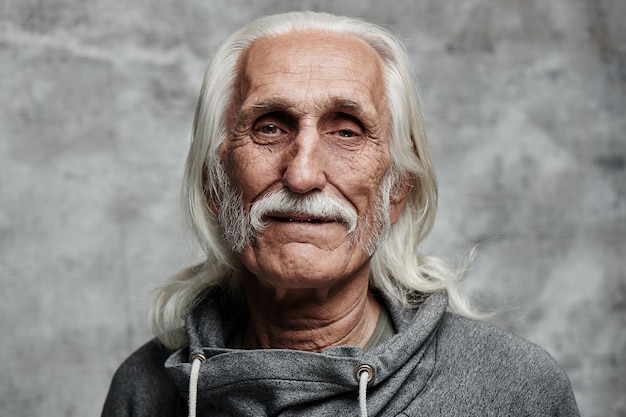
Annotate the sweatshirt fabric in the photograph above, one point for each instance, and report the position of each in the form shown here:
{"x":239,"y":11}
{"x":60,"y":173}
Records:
{"x":437,"y":364}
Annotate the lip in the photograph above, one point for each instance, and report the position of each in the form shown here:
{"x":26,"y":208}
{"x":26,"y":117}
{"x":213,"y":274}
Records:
{"x":299,"y":218}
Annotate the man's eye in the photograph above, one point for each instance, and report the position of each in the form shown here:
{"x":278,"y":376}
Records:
{"x":344,"y":133}
{"x":269,"y":129}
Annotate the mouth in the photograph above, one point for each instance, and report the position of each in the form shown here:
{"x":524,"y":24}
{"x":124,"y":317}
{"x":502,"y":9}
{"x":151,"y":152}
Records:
{"x":299,"y":219}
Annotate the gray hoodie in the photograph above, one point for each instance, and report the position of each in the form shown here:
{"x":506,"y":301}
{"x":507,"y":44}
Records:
{"x":437,"y":364}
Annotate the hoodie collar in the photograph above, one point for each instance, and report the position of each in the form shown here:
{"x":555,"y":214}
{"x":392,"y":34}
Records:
{"x":261,"y":382}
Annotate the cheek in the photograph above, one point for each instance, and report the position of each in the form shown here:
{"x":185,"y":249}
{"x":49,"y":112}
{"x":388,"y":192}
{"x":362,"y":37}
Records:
{"x":252,"y":172}
{"x":363,"y":179}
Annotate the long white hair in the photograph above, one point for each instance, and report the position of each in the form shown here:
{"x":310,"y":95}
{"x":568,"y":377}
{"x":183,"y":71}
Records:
{"x":398,"y":270}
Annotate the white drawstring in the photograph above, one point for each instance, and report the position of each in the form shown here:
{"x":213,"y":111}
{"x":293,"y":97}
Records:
{"x":364,"y":374}
{"x":197,"y":359}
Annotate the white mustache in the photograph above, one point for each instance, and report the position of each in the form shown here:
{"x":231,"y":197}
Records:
{"x":316,"y":205}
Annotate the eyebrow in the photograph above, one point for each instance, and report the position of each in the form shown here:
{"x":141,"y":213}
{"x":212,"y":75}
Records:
{"x":250,"y":113}
{"x":283,"y":104}
{"x":345,"y":103}
{"x":273,"y":104}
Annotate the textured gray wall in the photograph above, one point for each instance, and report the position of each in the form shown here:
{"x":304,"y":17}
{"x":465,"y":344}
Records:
{"x":525,"y":101}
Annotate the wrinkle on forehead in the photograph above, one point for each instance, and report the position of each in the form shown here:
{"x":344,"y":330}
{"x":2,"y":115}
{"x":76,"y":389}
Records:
{"x":355,"y":52}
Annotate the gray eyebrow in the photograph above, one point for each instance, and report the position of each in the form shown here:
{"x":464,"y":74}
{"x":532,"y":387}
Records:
{"x":278,"y":104}
{"x":273,"y":104}
{"x":248,"y":114}
{"x":345,"y":103}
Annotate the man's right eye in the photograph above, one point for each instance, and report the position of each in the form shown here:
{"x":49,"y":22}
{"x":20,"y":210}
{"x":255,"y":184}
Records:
{"x":268,"y":129}
{"x":272,"y":128}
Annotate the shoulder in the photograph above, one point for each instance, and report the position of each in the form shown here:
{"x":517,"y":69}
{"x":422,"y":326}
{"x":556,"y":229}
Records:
{"x":484,"y":342}
{"x":498,"y":364}
{"x":141,"y":387}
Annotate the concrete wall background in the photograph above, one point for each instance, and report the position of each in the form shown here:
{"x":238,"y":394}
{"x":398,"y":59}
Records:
{"x":526,"y":105}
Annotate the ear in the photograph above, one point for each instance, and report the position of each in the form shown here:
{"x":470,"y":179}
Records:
{"x":401,"y":193}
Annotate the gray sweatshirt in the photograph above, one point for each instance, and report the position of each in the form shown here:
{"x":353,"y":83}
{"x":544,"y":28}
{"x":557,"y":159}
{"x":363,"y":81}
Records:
{"x":437,"y":364}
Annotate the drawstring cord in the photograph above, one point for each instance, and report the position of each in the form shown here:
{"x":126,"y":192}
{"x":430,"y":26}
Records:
{"x":196,"y":360}
{"x":364,"y":374}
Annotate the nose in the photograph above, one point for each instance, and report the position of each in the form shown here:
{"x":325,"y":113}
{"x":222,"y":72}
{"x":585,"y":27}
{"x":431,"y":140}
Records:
{"x":304,"y":171}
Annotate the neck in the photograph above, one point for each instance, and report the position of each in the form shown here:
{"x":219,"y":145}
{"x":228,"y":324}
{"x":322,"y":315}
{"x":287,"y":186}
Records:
{"x":309,"y":319}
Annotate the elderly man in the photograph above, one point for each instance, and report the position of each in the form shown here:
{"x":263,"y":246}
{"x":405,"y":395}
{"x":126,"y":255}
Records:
{"x":309,"y":185}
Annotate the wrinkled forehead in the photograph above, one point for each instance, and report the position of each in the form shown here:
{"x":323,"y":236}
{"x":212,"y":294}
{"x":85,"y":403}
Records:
{"x":311,"y":54}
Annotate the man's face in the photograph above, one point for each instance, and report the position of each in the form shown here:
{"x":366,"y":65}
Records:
{"x":311,"y":120}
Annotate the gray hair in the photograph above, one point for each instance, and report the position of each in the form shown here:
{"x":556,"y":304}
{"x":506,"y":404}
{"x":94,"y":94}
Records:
{"x":398,"y":270}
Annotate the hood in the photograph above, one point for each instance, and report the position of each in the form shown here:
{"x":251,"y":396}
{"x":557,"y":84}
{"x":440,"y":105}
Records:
{"x":233,"y":382}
